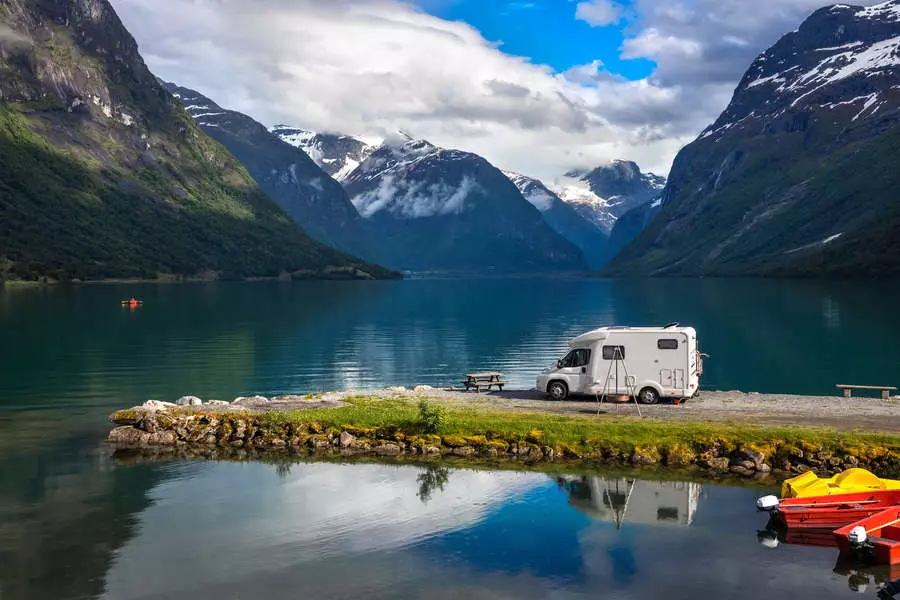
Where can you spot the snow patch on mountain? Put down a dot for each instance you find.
(337, 155)
(532, 190)
(578, 194)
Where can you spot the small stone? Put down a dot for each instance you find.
(748, 464)
(802, 468)
(189, 401)
(764, 468)
(218, 403)
(347, 439)
(277, 443)
(397, 388)
(850, 461)
(318, 442)
(432, 450)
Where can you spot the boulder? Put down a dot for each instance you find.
(153, 405)
(718, 464)
(189, 401)
(742, 470)
(396, 388)
(346, 439)
(432, 450)
(128, 436)
(422, 388)
(463, 451)
(746, 453)
(387, 449)
(218, 403)
(243, 400)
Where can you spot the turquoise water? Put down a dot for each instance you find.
(77, 523)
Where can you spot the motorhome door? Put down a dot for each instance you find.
(576, 367)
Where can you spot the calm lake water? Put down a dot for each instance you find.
(77, 523)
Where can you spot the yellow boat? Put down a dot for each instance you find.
(846, 482)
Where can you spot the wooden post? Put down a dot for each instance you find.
(885, 394)
(847, 392)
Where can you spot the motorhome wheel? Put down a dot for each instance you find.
(557, 390)
(648, 395)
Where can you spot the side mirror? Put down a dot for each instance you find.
(584, 369)
(559, 364)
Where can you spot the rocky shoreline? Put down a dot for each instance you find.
(246, 427)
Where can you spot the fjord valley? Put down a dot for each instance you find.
(374, 208)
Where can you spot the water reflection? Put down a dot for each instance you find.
(641, 502)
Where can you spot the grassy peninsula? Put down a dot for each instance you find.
(427, 427)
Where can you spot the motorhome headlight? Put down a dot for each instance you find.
(767, 503)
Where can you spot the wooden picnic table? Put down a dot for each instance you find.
(487, 380)
(885, 389)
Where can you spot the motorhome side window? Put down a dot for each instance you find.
(667, 344)
(613, 352)
(577, 358)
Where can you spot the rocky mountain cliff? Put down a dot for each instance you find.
(434, 209)
(602, 195)
(337, 155)
(798, 175)
(308, 194)
(103, 173)
(565, 220)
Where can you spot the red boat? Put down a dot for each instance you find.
(831, 512)
(876, 537)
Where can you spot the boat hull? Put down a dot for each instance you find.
(832, 512)
(882, 543)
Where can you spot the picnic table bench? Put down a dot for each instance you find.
(885, 390)
(483, 380)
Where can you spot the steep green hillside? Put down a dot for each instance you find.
(798, 175)
(103, 173)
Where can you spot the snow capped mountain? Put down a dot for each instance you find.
(434, 208)
(313, 199)
(395, 169)
(337, 155)
(798, 174)
(565, 219)
(842, 58)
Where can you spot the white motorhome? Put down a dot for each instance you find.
(649, 362)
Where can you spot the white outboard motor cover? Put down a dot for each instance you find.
(767, 503)
(857, 535)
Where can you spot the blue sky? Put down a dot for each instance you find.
(547, 32)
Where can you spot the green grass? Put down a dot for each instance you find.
(578, 431)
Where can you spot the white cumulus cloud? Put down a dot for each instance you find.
(598, 13)
(369, 67)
